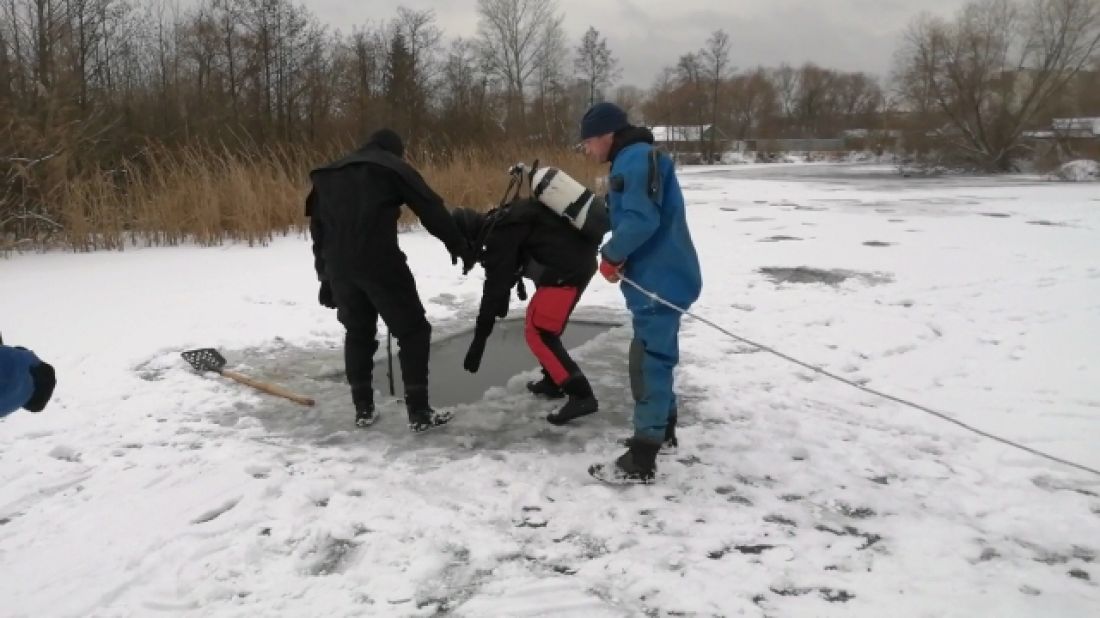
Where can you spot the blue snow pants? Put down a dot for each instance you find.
(654, 353)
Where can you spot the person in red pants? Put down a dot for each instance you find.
(527, 239)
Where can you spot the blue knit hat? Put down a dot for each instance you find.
(603, 118)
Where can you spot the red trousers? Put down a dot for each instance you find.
(547, 315)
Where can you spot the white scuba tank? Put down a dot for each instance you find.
(571, 200)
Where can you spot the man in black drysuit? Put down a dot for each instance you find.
(353, 208)
(527, 239)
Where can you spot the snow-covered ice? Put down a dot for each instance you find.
(146, 489)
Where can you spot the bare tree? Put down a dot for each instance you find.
(630, 98)
(421, 38)
(595, 64)
(787, 85)
(816, 106)
(360, 65)
(402, 95)
(659, 106)
(993, 71)
(715, 60)
(1088, 92)
(858, 99)
(7, 73)
(513, 36)
(689, 75)
(754, 103)
(466, 115)
(552, 101)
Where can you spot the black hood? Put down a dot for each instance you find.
(628, 137)
(388, 140)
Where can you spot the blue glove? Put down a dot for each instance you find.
(25, 381)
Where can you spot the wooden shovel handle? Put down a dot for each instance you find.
(270, 389)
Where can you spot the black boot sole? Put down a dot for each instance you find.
(597, 472)
(542, 394)
(552, 397)
(557, 420)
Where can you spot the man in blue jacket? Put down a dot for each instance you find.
(650, 245)
(25, 381)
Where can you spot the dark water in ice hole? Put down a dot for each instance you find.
(511, 419)
(506, 355)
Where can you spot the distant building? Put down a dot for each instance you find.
(1068, 138)
(689, 139)
(1077, 128)
(1068, 129)
(790, 145)
(853, 134)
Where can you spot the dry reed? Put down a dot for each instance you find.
(208, 195)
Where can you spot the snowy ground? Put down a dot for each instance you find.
(148, 490)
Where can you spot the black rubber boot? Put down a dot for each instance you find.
(670, 444)
(421, 415)
(545, 388)
(582, 401)
(637, 465)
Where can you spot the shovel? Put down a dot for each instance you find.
(208, 359)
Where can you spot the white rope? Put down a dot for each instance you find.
(861, 387)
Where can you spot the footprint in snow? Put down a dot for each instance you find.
(447, 300)
(65, 453)
(258, 472)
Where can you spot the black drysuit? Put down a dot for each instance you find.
(353, 208)
(527, 239)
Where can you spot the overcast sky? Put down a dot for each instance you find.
(647, 35)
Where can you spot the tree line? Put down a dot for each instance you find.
(91, 86)
(102, 77)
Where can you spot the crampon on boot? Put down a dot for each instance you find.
(421, 415)
(427, 418)
(366, 416)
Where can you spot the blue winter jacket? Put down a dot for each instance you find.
(650, 232)
(16, 382)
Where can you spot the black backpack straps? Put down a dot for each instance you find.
(573, 210)
(653, 183)
(491, 219)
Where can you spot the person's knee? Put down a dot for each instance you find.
(360, 333)
(415, 331)
(534, 343)
(357, 320)
(535, 338)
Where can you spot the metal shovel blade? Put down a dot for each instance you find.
(206, 359)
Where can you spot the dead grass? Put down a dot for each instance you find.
(207, 195)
